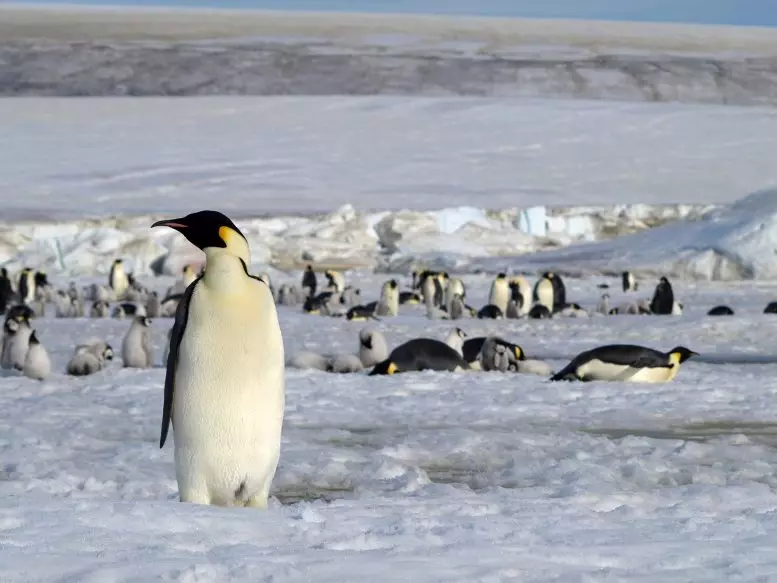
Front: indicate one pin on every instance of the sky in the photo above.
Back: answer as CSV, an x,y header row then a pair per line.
x,y
739,12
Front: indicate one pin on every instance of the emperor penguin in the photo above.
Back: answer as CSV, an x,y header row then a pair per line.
x,y
521,294
137,350
335,281
421,354
372,347
117,278
625,362
18,343
721,311
309,282
543,293
224,387
663,298
500,293
628,282
6,289
559,291
26,286
771,308
454,289
37,364
388,305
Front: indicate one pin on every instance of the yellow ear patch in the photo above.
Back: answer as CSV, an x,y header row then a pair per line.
x,y
674,358
518,352
228,235
392,368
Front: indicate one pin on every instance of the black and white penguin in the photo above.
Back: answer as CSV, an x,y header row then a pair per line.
x,y
559,291
6,290
388,305
543,293
499,294
361,313
662,303
37,364
309,282
26,286
117,278
521,294
372,347
628,282
625,362
224,387
421,354
721,311
410,298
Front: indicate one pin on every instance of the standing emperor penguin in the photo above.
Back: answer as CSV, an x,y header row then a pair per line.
x,y
117,278
520,292
500,293
389,299
26,286
543,293
224,387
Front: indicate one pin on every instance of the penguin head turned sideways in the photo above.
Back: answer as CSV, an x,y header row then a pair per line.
x,y
679,354
385,367
210,230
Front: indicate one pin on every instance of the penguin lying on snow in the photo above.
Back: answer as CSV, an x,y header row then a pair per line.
x,y
89,358
372,350
721,311
421,354
771,308
625,362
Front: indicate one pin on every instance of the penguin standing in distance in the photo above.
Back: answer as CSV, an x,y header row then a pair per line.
x,y
37,364
335,281
388,305
662,303
499,294
628,282
559,291
454,289
309,282
421,354
117,278
224,387
6,290
26,286
521,294
625,362
137,349
543,293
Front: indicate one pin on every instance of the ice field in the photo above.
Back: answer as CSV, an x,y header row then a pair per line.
x,y
424,477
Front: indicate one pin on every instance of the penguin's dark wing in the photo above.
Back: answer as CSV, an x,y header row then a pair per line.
x,y
179,326
630,355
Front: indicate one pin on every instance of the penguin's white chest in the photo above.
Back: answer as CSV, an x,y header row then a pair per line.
x,y
596,370
228,399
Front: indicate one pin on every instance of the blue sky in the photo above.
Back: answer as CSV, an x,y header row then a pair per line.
x,y
743,12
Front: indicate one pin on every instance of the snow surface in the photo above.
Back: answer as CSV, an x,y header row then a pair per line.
x,y
430,477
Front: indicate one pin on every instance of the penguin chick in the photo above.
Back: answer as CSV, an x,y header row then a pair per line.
x,y
83,363
37,364
306,360
136,348
455,339
15,349
100,309
372,347
535,367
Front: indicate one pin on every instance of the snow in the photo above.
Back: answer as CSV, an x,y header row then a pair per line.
x,y
427,477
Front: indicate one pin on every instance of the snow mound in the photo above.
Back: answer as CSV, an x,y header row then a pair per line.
x,y
729,243
387,241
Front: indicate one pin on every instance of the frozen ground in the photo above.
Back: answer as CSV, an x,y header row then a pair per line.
x,y
119,51
495,178
430,477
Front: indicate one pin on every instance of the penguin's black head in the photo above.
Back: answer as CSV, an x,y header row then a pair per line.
x,y
144,321
663,281
393,284
461,333
208,229
501,275
4,272
385,367
366,341
681,354
34,338
108,352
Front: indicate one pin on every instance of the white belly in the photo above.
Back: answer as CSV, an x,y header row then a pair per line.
x,y
596,370
229,396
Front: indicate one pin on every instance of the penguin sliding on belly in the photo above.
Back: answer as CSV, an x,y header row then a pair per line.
x,y
625,362
224,387
421,354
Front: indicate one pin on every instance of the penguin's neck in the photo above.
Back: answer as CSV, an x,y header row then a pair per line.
x,y
224,272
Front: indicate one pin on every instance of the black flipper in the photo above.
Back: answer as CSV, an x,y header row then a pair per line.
x,y
181,317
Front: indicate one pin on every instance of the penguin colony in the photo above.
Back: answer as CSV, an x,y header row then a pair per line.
x,y
224,353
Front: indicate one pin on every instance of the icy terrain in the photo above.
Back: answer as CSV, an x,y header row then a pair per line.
x,y
461,184
101,51
431,477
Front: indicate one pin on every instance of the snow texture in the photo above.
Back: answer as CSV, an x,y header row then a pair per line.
x,y
429,477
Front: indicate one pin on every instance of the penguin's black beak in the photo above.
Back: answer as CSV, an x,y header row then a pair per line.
x,y
176,224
